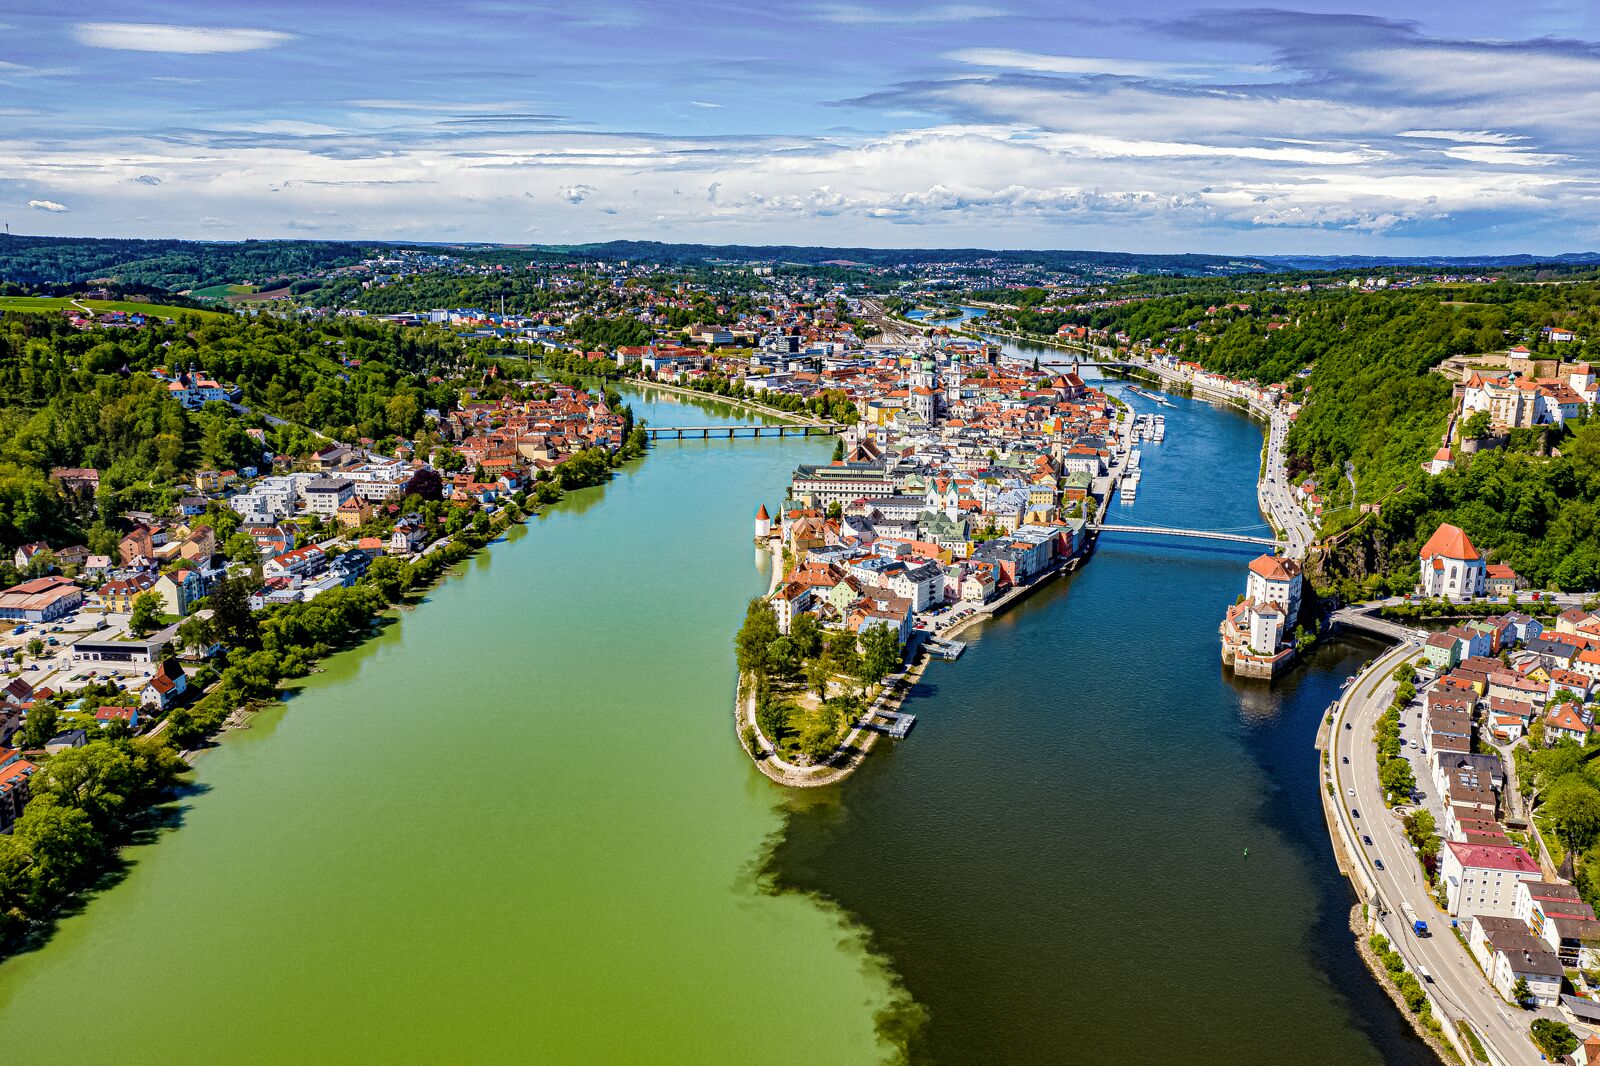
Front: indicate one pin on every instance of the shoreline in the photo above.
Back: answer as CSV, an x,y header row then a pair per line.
x,y
1347,858
858,743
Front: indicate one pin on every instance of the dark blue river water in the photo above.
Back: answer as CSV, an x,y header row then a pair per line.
x,y
1054,862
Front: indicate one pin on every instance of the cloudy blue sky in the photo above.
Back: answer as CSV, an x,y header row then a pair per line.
x,y
1462,126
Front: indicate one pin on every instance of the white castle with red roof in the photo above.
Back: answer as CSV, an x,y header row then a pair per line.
x,y
1451,567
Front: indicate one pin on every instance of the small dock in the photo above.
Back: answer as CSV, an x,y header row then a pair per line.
x,y
894,724
948,650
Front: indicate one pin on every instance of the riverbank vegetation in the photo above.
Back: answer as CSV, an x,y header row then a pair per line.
x,y
1453,610
802,680
1405,982
85,802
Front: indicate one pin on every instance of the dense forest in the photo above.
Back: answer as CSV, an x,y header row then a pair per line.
x,y
71,398
164,265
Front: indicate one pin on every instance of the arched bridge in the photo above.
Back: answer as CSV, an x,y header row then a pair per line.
x,y
708,432
1202,534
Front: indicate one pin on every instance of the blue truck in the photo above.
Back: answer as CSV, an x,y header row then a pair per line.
x,y
1418,926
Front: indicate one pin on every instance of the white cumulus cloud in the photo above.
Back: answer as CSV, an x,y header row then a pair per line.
x,y
47,205
187,40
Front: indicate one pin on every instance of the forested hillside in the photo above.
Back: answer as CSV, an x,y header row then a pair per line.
x,y
1375,408
71,398
163,265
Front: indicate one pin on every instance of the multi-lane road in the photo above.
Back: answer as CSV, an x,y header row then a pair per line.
x,y
1277,498
1378,837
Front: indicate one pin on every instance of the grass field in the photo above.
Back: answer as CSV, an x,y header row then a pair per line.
x,y
218,292
58,303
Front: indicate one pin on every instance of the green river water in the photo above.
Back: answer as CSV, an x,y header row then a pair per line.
x,y
514,828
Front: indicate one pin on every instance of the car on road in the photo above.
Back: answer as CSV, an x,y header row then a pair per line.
x,y
1366,840
1347,760
1347,725
1377,864
1354,813
1351,791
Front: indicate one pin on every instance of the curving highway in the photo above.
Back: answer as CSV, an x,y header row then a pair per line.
x,y
1458,985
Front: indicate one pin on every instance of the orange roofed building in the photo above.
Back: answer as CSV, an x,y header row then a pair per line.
x,y
1451,567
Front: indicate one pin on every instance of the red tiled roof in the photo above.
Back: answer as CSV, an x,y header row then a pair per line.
x,y
1494,857
1451,542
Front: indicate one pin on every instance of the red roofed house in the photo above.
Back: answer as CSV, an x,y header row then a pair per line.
x,y
1451,567
1564,721
106,715
1502,580
165,688
14,774
1482,878
1442,460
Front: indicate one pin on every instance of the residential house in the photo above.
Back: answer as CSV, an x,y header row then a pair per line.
x,y
353,512
1501,580
407,538
1482,878
271,540
788,602
179,589
14,775
1557,914
129,715
296,562
26,554
200,545
72,738
324,495
1508,953
165,687
1440,651
137,543
1566,721
118,594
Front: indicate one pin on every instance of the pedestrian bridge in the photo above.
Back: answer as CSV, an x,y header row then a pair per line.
x,y
1201,534
707,432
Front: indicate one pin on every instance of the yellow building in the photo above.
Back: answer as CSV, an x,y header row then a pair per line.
x,y
353,512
